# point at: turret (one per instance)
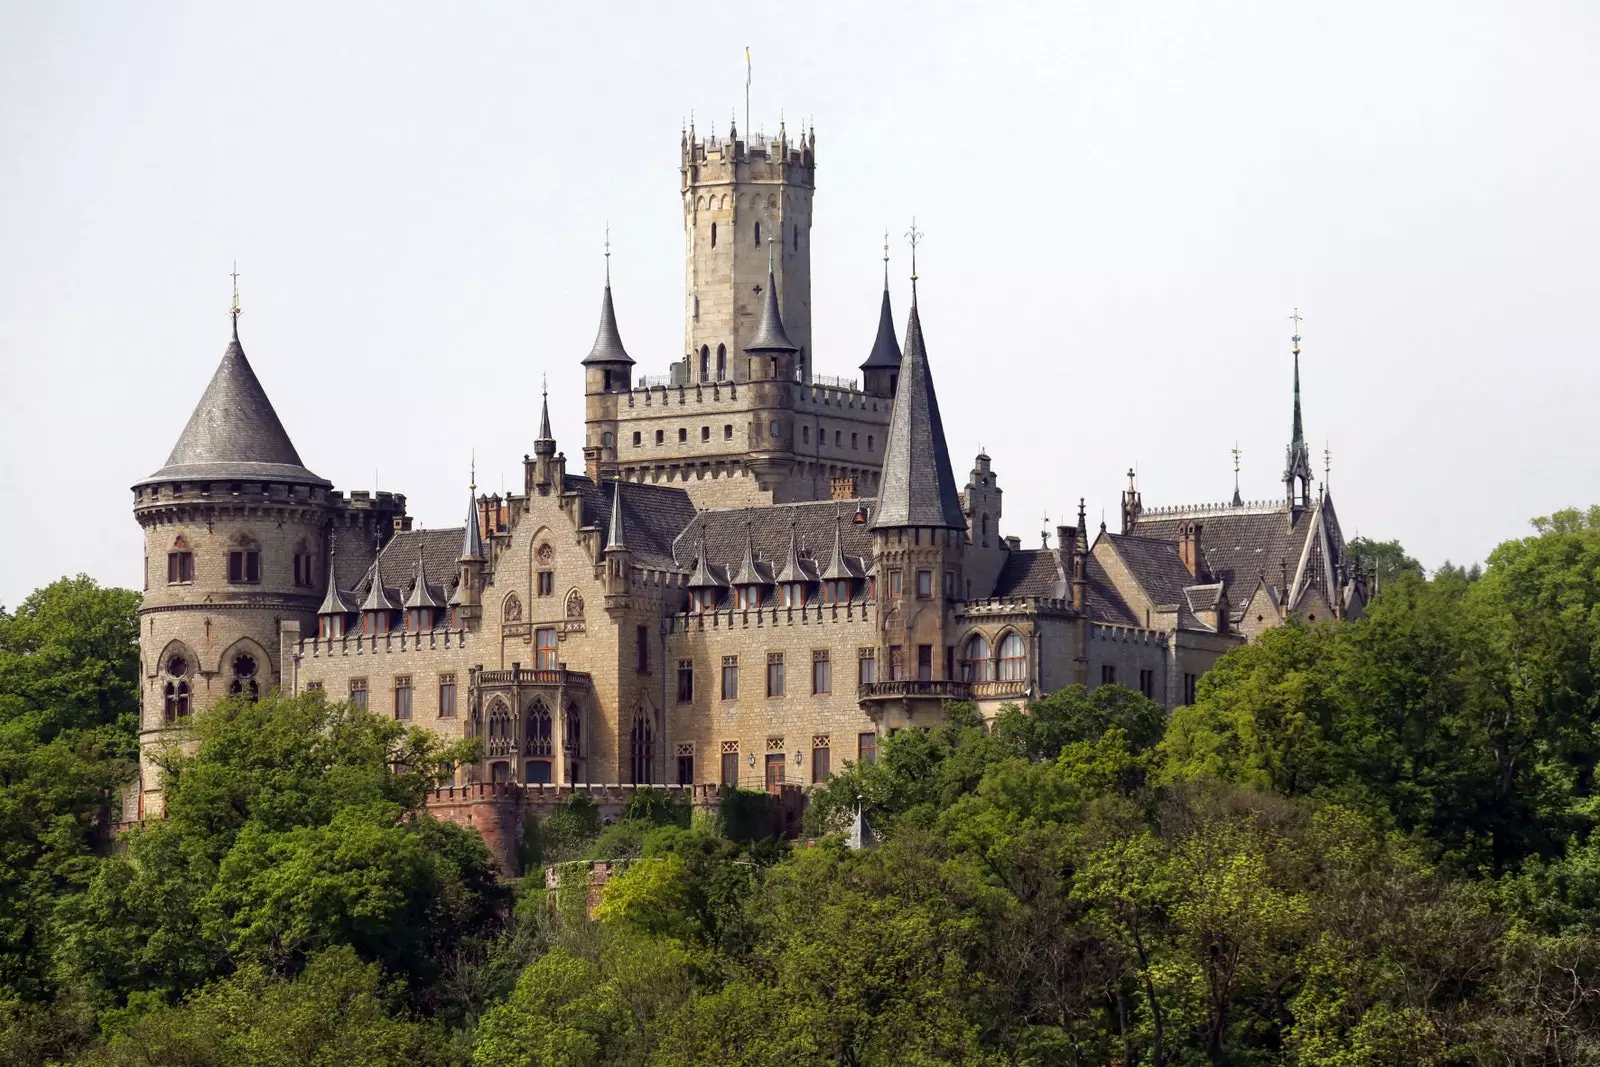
(880, 374)
(616, 560)
(607, 372)
(1132, 503)
(544, 452)
(236, 542)
(466, 601)
(772, 375)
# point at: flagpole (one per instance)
(746, 94)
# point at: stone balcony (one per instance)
(1017, 687)
(910, 689)
(519, 675)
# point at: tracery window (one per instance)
(244, 678)
(976, 664)
(538, 730)
(642, 743)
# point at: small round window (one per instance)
(177, 666)
(244, 665)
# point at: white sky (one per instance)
(1121, 211)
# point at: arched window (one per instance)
(538, 730)
(705, 363)
(642, 743)
(722, 363)
(976, 665)
(500, 737)
(758, 235)
(1013, 658)
(177, 701)
(512, 612)
(244, 678)
(572, 736)
(713, 235)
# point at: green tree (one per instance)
(1385, 560)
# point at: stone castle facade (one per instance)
(757, 574)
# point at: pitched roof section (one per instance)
(234, 433)
(917, 486)
(1039, 572)
(1241, 545)
(886, 346)
(652, 516)
(1155, 565)
(814, 526)
(335, 602)
(607, 342)
(438, 551)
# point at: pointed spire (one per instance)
(791, 571)
(608, 341)
(886, 346)
(917, 487)
(421, 596)
(769, 334)
(614, 539)
(703, 578)
(1297, 462)
(1238, 501)
(335, 602)
(545, 443)
(378, 598)
(748, 574)
(234, 433)
(838, 566)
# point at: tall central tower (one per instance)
(739, 195)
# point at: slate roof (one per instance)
(398, 564)
(917, 487)
(652, 515)
(1240, 547)
(1155, 565)
(607, 342)
(886, 346)
(234, 433)
(1037, 572)
(769, 334)
(724, 533)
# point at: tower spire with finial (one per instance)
(1238, 501)
(233, 309)
(913, 235)
(1297, 468)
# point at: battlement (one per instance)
(1206, 511)
(1135, 635)
(226, 493)
(1000, 605)
(365, 500)
(396, 641)
(754, 148)
(728, 619)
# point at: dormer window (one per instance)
(703, 599)
(836, 591)
(794, 594)
(749, 596)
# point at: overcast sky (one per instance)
(1121, 211)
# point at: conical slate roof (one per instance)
(607, 342)
(234, 433)
(917, 487)
(378, 596)
(886, 347)
(769, 334)
(614, 538)
(791, 571)
(472, 536)
(421, 596)
(335, 602)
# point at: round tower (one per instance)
(607, 373)
(738, 194)
(235, 531)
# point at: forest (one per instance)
(1366, 844)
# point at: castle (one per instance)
(757, 574)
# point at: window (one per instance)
(537, 772)
(730, 763)
(547, 583)
(686, 765)
(313, 687)
(774, 674)
(836, 591)
(605, 438)
(244, 566)
(538, 731)
(304, 568)
(177, 701)
(544, 648)
(1147, 683)
(641, 649)
(795, 240)
(722, 363)
(866, 666)
(661, 436)
(749, 596)
(685, 681)
(775, 764)
(705, 363)
(896, 586)
(705, 433)
(853, 439)
(838, 438)
(641, 748)
(713, 235)
(976, 665)
(447, 696)
(924, 663)
(402, 697)
(1188, 688)
(730, 677)
(897, 663)
(500, 770)
(638, 438)
(683, 434)
(180, 563)
(358, 693)
(607, 388)
(924, 585)
(727, 431)
(244, 678)
(869, 442)
(757, 241)
(1013, 658)
(866, 749)
(819, 759)
(821, 672)
(794, 594)
(1108, 674)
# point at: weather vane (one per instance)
(914, 235)
(234, 310)
(1295, 318)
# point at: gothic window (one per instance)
(574, 605)
(538, 730)
(1013, 658)
(177, 701)
(976, 664)
(705, 363)
(244, 678)
(547, 554)
(180, 563)
(513, 609)
(642, 744)
(757, 241)
(499, 728)
(572, 738)
(722, 363)
(177, 667)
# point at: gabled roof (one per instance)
(886, 346)
(1039, 572)
(723, 533)
(607, 342)
(379, 596)
(616, 530)
(438, 549)
(917, 486)
(234, 433)
(792, 571)
(1155, 565)
(1241, 545)
(653, 516)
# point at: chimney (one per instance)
(843, 488)
(1189, 550)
